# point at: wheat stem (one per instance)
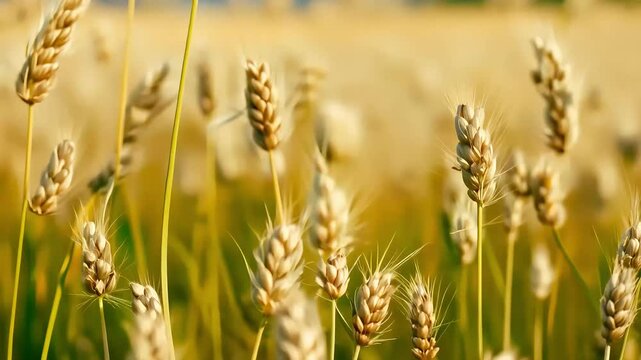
(259, 336)
(279, 201)
(123, 89)
(215, 257)
(105, 341)
(463, 309)
(332, 336)
(357, 351)
(23, 222)
(554, 297)
(606, 353)
(479, 259)
(169, 181)
(64, 270)
(538, 329)
(509, 274)
(136, 232)
(575, 271)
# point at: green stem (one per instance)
(538, 330)
(575, 271)
(507, 311)
(479, 259)
(62, 278)
(332, 335)
(215, 259)
(259, 336)
(606, 354)
(463, 309)
(169, 183)
(279, 201)
(105, 341)
(23, 223)
(123, 89)
(357, 351)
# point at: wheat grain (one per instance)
(371, 306)
(97, 260)
(618, 304)
(333, 275)
(279, 267)
(299, 334)
(262, 105)
(55, 179)
(37, 76)
(148, 337)
(547, 195)
(551, 78)
(475, 154)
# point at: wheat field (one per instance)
(368, 120)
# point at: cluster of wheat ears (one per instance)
(275, 274)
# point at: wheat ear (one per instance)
(333, 278)
(551, 78)
(55, 179)
(206, 98)
(422, 313)
(148, 337)
(38, 73)
(299, 334)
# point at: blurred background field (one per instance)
(394, 73)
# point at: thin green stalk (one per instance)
(131, 8)
(479, 259)
(606, 353)
(215, 259)
(259, 336)
(463, 309)
(332, 335)
(169, 182)
(62, 278)
(538, 330)
(357, 351)
(575, 271)
(23, 223)
(136, 233)
(554, 297)
(105, 341)
(507, 311)
(279, 201)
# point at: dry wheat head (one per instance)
(628, 254)
(148, 337)
(329, 212)
(547, 195)
(464, 233)
(618, 304)
(423, 318)
(262, 105)
(97, 261)
(372, 307)
(542, 273)
(513, 213)
(551, 78)
(55, 179)
(519, 175)
(299, 334)
(206, 98)
(475, 154)
(279, 267)
(36, 78)
(333, 275)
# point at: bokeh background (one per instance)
(393, 73)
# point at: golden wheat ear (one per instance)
(148, 336)
(55, 180)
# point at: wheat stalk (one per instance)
(145, 103)
(37, 76)
(551, 78)
(55, 179)
(148, 337)
(541, 279)
(299, 334)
